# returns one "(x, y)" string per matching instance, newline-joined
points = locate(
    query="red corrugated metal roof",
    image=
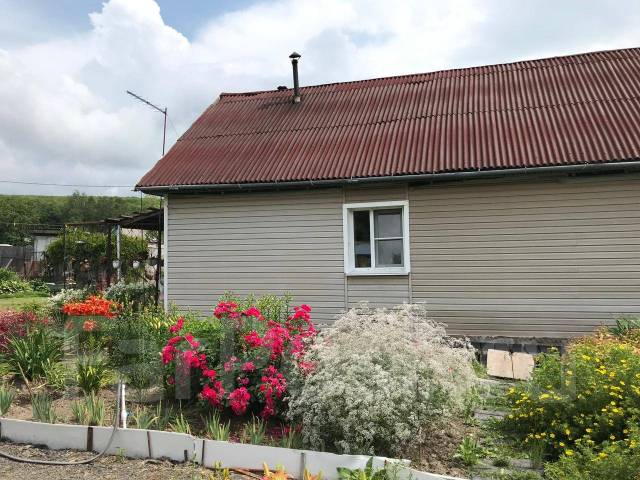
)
(557, 111)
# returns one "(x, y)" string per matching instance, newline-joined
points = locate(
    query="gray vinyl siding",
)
(549, 258)
(541, 258)
(271, 242)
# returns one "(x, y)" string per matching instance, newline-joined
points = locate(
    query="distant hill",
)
(21, 214)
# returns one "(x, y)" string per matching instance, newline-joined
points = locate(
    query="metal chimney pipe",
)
(296, 84)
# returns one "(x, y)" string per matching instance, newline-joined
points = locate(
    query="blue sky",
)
(65, 64)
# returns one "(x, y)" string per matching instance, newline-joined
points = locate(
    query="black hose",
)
(80, 462)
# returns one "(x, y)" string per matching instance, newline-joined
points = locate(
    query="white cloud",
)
(66, 117)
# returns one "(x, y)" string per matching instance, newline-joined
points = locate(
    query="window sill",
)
(377, 272)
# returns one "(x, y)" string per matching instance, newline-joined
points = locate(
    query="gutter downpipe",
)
(423, 177)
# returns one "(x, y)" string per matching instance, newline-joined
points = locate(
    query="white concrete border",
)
(180, 447)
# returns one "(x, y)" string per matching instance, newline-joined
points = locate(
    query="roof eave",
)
(629, 165)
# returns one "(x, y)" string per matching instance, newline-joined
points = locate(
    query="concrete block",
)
(242, 455)
(54, 436)
(130, 442)
(503, 364)
(178, 447)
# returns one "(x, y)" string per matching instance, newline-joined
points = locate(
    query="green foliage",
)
(163, 416)
(216, 430)
(144, 418)
(11, 287)
(16, 210)
(469, 452)
(42, 408)
(389, 472)
(624, 326)
(588, 397)
(87, 253)
(132, 295)
(33, 355)
(7, 394)
(92, 373)
(89, 411)
(180, 424)
(8, 275)
(253, 431)
(273, 307)
(56, 376)
(134, 343)
(290, 438)
(616, 461)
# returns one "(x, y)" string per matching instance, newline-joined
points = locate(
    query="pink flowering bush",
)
(261, 356)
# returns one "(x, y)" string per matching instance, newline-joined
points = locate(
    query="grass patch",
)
(17, 301)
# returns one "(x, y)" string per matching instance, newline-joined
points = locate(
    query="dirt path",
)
(107, 468)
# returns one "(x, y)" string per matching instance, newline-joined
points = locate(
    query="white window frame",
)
(349, 251)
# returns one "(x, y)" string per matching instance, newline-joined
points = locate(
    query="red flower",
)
(178, 326)
(226, 308)
(239, 399)
(213, 395)
(168, 352)
(171, 380)
(253, 312)
(248, 367)
(92, 306)
(229, 364)
(252, 339)
(89, 325)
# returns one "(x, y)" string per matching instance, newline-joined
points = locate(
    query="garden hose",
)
(80, 462)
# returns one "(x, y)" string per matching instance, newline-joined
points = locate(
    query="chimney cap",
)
(295, 56)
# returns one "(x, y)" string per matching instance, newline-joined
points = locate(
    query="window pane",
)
(389, 253)
(388, 223)
(362, 239)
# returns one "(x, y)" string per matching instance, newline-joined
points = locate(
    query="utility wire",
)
(64, 184)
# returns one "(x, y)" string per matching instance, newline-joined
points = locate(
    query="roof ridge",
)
(253, 95)
(417, 117)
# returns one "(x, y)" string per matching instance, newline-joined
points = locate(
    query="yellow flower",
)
(568, 452)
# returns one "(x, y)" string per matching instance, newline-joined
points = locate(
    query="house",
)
(506, 197)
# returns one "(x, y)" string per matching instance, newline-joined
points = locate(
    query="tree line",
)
(22, 214)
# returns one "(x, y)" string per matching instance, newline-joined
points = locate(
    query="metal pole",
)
(158, 260)
(119, 269)
(164, 131)
(109, 256)
(64, 256)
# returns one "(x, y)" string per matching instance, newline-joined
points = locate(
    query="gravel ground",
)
(106, 468)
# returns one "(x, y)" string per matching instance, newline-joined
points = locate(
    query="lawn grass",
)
(15, 302)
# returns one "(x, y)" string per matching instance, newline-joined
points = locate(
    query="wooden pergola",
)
(150, 220)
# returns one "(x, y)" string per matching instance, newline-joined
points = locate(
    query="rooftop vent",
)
(296, 85)
(282, 88)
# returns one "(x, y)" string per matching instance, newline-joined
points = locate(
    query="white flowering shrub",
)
(379, 376)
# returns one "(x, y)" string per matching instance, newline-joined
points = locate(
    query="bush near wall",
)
(378, 377)
(583, 403)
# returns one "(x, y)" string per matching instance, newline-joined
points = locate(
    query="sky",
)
(65, 65)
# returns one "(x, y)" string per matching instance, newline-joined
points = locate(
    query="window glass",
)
(388, 223)
(389, 253)
(362, 239)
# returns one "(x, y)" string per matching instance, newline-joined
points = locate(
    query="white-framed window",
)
(376, 238)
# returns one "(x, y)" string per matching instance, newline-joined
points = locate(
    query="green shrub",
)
(132, 295)
(134, 346)
(614, 461)
(10, 287)
(33, 355)
(92, 373)
(8, 275)
(590, 396)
